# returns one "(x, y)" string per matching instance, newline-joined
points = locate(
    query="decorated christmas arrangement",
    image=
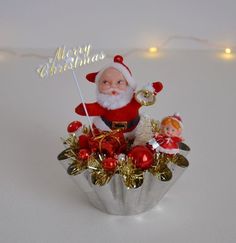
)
(124, 160)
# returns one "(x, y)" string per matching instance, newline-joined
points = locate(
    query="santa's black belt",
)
(121, 124)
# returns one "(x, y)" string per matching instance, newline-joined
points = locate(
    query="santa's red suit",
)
(168, 145)
(125, 118)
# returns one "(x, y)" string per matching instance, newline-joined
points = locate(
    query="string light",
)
(153, 49)
(228, 51)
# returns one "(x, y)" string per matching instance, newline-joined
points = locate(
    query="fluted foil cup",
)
(115, 198)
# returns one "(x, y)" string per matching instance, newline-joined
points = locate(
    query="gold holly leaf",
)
(165, 174)
(93, 163)
(65, 154)
(76, 168)
(180, 160)
(71, 141)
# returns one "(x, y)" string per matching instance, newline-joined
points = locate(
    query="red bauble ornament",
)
(142, 157)
(109, 164)
(83, 154)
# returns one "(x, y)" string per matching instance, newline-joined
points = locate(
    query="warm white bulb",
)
(153, 49)
(228, 51)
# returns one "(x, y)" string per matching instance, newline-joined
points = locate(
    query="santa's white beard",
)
(112, 102)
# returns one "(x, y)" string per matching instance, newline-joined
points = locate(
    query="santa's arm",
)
(94, 109)
(146, 96)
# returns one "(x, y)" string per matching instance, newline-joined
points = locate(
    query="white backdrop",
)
(39, 203)
(115, 24)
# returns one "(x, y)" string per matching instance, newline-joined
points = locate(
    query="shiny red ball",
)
(109, 164)
(142, 157)
(83, 154)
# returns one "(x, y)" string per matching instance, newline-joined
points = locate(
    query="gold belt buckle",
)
(119, 125)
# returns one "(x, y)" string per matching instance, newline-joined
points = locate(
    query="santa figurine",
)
(117, 105)
(168, 139)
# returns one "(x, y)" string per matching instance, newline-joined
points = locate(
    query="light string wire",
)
(163, 44)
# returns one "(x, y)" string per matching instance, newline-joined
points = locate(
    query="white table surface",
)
(40, 203)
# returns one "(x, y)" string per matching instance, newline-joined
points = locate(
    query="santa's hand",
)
(154, 88)
(158, 86)
(146, 96)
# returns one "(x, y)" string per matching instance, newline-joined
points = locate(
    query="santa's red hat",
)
(177, 118)
(120, 66)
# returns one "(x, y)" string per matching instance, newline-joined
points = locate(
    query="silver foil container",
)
(116, 198)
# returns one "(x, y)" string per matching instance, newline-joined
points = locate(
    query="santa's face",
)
(170, 131)
(112, 82)
(113, 91)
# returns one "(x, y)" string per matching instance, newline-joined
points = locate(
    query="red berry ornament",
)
(83, 154)
(109, 164)
(74, 126)
(142, 157)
